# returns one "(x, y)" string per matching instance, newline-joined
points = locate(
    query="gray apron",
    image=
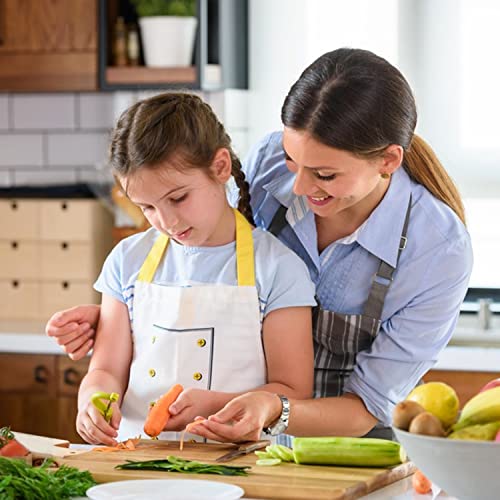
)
(338, 338)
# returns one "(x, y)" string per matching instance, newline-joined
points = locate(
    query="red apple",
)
(491, 384)
(497, 437)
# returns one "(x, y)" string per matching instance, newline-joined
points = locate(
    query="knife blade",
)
(244, 449)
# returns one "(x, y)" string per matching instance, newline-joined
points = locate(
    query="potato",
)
(404, 412)
(426, 423)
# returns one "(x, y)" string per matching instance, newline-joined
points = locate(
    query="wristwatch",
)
(281, 425)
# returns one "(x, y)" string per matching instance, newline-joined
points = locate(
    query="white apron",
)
(206, 336)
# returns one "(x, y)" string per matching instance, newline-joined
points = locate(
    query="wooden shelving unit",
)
(221, 43)
(141, 75)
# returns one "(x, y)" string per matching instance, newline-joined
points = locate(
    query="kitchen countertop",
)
(400, 490)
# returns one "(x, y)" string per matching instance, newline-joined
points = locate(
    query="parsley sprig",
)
(18, 480)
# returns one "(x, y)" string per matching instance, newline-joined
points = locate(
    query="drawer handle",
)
(65, 285)
(14, 244)
(13, 205)
(15, 284)
(64, 205)
(64, 245)
(41, 374)
(71, 376)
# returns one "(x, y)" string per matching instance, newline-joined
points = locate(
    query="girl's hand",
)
(74, 329)
(189, 404)
(94, 429)
(242, 419)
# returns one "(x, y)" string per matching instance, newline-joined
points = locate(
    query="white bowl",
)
(468, 470)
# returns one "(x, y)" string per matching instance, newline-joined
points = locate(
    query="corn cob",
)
(367, 452)
(481, 409)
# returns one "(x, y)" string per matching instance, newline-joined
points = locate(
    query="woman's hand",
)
(192, 403)
(94, 429)
(74, 329)
(242, 419)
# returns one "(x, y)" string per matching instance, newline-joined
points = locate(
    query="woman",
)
(366, 204)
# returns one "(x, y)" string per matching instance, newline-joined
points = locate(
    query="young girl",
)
(202, 298)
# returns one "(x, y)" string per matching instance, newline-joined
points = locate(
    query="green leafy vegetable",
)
(175, 464)
(18, 480)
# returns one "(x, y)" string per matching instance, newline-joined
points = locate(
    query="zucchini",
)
(362, 452)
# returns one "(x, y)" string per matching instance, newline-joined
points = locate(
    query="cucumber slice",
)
(268, 461)
(262, 454)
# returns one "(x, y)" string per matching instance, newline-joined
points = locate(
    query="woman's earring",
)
(385, 175)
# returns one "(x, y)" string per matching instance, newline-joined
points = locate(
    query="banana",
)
(481, 409)
(478, 432)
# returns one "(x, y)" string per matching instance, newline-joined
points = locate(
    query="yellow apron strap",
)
(245, 263)
(153, 259)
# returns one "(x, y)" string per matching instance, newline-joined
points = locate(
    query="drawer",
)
(69, 260)
(20, 299)
(19, 219)
(74, 220)
(69, 374)
(28, 373)
(19, 259)
(59, 295)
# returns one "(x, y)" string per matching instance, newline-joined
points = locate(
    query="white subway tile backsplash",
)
(239, 141)
(4, 112)
(95, 111)
(235, 108)
(121, 101)
(77, 149)
(64, 138)
(50, 111)
(23, 150)
(216, 101)
(41, 177)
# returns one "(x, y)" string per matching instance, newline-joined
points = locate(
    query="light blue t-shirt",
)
(282, 278)
(429, 284)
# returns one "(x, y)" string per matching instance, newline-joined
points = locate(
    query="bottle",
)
(120, 43)
(133, 45)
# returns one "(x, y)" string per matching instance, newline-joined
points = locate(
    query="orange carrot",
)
(188, 427)
(130, 444)
(158, 414)
(420, 483)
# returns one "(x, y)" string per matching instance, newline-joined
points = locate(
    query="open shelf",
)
(220, 58)
(123, 75)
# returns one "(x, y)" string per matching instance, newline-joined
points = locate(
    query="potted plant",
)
(168, 29)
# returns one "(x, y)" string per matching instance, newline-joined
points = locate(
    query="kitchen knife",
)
(244, 449)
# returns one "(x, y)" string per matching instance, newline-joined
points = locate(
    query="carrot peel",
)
(158, 414)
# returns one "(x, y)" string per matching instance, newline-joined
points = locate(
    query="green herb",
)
(175, 464)
(147, 8)
(18, 480)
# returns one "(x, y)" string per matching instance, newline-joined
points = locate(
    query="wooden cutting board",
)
(284, 481)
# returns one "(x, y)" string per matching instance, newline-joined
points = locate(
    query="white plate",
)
(159, 489)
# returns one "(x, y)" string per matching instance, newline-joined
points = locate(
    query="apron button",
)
(152, 373)
(202, 342)
(197, 376)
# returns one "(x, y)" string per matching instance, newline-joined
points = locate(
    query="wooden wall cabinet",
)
(48, 45)
(39, 394)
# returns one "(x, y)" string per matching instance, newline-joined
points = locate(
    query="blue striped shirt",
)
(422, 305)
